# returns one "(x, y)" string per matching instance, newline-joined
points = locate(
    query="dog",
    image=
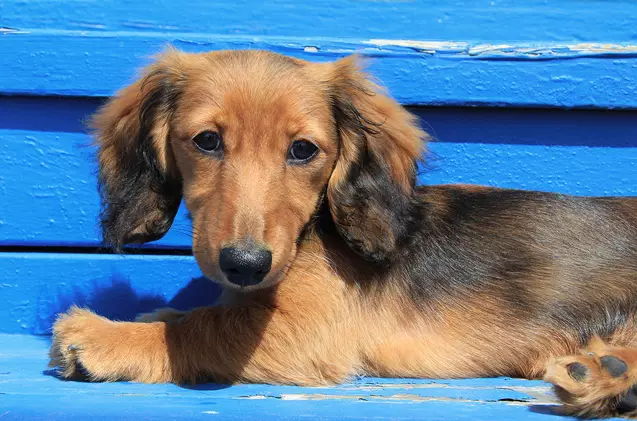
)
(301, 181)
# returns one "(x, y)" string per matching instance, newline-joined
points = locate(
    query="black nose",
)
(245, 267)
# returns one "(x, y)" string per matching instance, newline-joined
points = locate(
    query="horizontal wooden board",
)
(479, 20)
(29, 391)
(49, 190)
(35, 287)
(417, 71)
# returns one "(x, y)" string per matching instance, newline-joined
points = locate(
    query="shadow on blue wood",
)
(35, 287)
(48, 114)
(118, 300)
(471, 125)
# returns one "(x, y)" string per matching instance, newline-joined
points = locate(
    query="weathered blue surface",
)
(536, 53)
(47, 168)
(64, 56)
(28, 391)
(418, 72)
(480, 20)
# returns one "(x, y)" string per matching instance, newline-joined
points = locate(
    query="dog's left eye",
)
(301, 151)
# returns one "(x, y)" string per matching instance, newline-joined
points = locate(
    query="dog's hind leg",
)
(602, 380)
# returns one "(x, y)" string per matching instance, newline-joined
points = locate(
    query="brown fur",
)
(370, 274)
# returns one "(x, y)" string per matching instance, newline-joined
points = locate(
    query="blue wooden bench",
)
(540, 94)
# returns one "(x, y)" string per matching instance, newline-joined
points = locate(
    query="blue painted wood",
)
(35, 287)
(479, 20)
(28, 391)
(542, 53)
(445, 72)
(47, 168)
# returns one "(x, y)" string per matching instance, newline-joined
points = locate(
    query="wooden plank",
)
(47, 170)
(35, 287)
(26, 392)
(481, 20)
(417, 71)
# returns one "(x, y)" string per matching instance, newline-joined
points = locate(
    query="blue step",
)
(28, 390)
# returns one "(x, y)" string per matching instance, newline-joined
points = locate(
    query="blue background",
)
(534, 94)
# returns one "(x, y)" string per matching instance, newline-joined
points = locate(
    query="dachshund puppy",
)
(301, 181)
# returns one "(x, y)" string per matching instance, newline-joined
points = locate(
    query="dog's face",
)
(255, 142)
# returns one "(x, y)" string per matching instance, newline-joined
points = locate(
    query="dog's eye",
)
(208, 141)
(301, 151)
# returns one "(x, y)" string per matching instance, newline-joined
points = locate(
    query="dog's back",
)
(569, 263)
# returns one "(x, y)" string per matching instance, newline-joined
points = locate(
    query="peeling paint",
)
(519, 51)
(542, 399)
(604, 48)
(421, 46)
(405, 397)
(150, 25)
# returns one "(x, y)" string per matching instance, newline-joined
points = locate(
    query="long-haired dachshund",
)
(301, 181)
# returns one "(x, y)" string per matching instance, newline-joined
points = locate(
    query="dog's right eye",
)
(208, 141)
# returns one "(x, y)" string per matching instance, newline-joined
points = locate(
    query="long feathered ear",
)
(371, 189)
(139, 184)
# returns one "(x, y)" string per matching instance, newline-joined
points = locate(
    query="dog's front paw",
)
(81, 348)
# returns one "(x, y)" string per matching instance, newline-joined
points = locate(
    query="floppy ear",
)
(139, 184)
(371, 189)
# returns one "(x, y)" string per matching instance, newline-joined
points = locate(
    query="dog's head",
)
(255, 143)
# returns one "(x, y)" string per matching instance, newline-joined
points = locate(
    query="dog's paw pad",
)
(628, 402)
(577, 371)
(613, 365)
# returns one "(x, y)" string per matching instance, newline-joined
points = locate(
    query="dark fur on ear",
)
(371, 190)
(139, 185)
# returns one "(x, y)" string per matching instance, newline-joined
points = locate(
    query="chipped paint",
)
(507, 50)
(541, 399)
(604, 48)
(458, 392)
(534, 390)
(421, 46)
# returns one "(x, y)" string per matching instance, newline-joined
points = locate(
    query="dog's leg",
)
(601, 382)
(248, 343)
